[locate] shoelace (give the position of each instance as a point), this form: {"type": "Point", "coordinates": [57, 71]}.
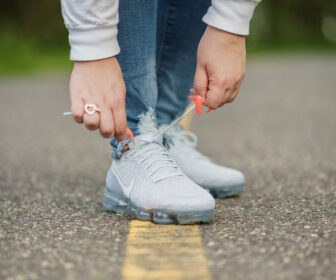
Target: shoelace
{"type": "Point", "coordinates": [188, 140]}
{"type": "Point", "coordinates": [155, 160]}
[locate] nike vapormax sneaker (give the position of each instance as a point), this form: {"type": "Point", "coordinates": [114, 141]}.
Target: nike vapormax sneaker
{"type": "Point", "coordinates": [147, 184]}
{"type": "Point", "coordinates": [219, 180]}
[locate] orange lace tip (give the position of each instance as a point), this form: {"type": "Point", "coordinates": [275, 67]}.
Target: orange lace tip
{"type": "Point", "coordinates": [209, 110]}
{"type": "Point", "coordinates": [198, 103]}
{"type": "Point", "coordinates": [130, 135]}
{"type": "Point", "coordinates": [192, 98]}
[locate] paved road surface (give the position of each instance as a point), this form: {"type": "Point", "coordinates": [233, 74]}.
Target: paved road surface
{"type": "Point", "coordinates": [281, 132]}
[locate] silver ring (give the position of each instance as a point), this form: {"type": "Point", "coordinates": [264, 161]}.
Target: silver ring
{"type": "Point", "coordinates": [91, 109]}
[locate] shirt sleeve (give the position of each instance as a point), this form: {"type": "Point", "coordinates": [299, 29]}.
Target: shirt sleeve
{"type": "Point", "coordinates": [92, 26]}
{"type": "Point", "coordinates": [231, 15]}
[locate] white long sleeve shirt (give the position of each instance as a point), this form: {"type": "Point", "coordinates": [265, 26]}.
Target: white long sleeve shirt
{"type": "Point", "coordinates": [92, 24]}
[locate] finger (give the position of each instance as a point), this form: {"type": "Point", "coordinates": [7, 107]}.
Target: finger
{"type": "Point", "coordinates": [77, 108]}
{"type": "Point", "coordinates": [235, 93]}
{"type": "Point", "coordinates": [215, 95]}
{"type": "Point", "coordinates": [217, 90]}
{"type": "Point", "coordinates": [91, 121]}
{"type": "Point", "coordinates": [106, 124]}
{"type": "Point", "coordinates": [120, 122]}
{"type": "Point", "coordinates": [227, 97]}
{"type": "Point", "coordinates": [201, 81]}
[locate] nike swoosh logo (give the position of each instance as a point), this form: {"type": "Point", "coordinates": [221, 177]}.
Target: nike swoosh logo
{"type": "Point", "coordinates": [126, 189]}
{"type": "Point", "coordinates": [129, 188]}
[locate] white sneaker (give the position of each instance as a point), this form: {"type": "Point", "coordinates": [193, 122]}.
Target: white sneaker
{"type": "Point", "coordinates": [219, 180]}
{"type": "Point", "coordinates": [147, 184]}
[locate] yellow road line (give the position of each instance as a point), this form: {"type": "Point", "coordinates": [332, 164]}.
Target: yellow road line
{"type": "Point", "coordinates": [164, 252]}
{"type": "Point", "coordinates": [186, 121]}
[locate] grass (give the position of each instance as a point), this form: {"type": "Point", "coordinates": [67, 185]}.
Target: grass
{"type": "Point", "coordinates": [291, 48]}
{"type": "Point", "coordinates": [31, 61]}
{"type": "Point", "coordinates": [20, 55]}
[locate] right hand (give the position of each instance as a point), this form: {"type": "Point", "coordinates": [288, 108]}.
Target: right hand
{"type": "Point", "coordinates": [100, 82]}
{"type": "Point", "coordinates": [221, 63]}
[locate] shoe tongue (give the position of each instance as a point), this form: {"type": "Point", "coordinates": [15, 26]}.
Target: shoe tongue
{"type": "Point", "coordinates": [148, 137]}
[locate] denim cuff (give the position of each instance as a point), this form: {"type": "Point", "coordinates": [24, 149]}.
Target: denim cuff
{"type": "Point", "coordinates": [118, 147]}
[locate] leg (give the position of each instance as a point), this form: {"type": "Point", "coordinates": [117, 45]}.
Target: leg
{"type": "Point", "coordinates": [176, 60]}
{"type": "Point", "coordinates": [136, 36]}
{"type": "Point", "coordinates": [179, 29]}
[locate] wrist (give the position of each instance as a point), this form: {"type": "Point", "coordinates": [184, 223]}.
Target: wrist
{"type": "Point", "coordinates": [107, 59]}
{"type": "Point", "coordinates": [219, 33]}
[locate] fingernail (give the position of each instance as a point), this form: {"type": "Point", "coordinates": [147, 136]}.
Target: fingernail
{"type": "Point", "coordinates": [130, 134]}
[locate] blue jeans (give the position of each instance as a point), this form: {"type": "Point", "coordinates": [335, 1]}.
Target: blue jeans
{"type": "Point", "coordinates": [158, 41]}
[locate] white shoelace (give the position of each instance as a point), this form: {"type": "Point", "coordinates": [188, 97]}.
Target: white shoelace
{"type": "Point", "coordinates": [187, 142]}
{"type": "Point", "coordinates": [155, 159]}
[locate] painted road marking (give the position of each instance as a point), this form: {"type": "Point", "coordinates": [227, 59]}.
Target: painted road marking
{"type": "Point", "coordinates": [186, 121]}
{"type": "Point", "coordinates": [164, 252]}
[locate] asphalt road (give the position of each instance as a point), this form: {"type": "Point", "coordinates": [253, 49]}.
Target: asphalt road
{"type": "Point", "coordinates": [281, 132]}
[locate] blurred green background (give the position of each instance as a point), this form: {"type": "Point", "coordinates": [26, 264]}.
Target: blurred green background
{"type": "Point", "coordinates": [33, 36]}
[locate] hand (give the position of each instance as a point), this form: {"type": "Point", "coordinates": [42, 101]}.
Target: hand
{"type": "Point", "coordinates": [221, 64]}
{"type": "Point", "coordinates": [100, 82]}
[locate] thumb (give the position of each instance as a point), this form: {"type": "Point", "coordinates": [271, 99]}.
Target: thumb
{"type": "Point", "coordinates": [201, 81]}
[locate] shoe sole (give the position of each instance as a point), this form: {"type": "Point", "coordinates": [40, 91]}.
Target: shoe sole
{"type": "Point", "coordinates": [225, 192]}
{"type": "Point", "coordinates": [115, 203]}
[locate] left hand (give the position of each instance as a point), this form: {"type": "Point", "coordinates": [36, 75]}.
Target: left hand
{"type": "Point", "coordinates": [221, 66]}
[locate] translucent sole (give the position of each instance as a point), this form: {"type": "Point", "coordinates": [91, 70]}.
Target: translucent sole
{"type": "Point", "coordinates": [227, 191]}
{"type": "Point", "coordinates": [115, 203]}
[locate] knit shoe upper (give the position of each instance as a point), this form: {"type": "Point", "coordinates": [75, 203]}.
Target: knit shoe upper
{"type": "Point", "coordinates": [219, 180]}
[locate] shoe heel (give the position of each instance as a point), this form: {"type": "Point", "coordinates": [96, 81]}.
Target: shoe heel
{"type": "Point", "coordinates": [115, 203]}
